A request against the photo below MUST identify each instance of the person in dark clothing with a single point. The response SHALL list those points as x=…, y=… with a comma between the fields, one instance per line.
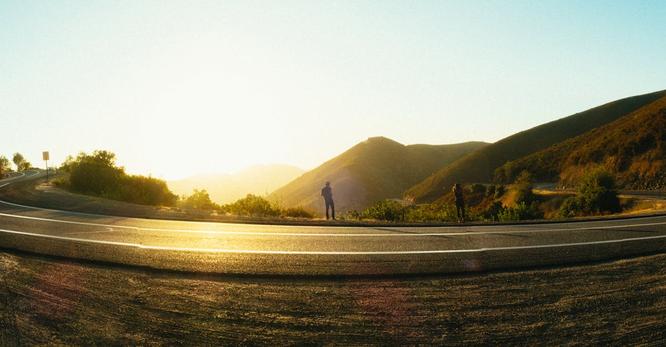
x=327, y=193
x=460, y=202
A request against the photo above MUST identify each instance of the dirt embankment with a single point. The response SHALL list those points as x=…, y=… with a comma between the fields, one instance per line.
x=48, y=301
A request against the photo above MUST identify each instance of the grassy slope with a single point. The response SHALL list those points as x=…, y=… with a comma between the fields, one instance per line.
x=373, y=170
x=632, y=147
x=480, y=165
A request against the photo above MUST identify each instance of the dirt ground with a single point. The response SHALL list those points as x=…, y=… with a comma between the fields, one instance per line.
x=53, y=301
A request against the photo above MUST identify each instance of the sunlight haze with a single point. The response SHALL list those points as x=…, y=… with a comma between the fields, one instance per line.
x=175, y=89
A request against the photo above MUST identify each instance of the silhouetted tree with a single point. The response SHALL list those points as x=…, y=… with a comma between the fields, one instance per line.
x=199, y=200
x=4, y=166
x=20, y=162
x=97, y=174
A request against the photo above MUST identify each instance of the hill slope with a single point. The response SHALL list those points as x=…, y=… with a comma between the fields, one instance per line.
x=376, y=169
x=480, y=165
x=632, y=147
x=226, y=188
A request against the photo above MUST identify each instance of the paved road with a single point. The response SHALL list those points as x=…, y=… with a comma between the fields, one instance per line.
x=300, y=250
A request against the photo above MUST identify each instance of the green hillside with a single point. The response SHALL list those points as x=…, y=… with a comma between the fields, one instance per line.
x=480, y=165
x=376, y=169
x=632, y=147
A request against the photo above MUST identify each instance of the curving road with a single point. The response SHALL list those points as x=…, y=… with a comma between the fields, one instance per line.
x=320, y=250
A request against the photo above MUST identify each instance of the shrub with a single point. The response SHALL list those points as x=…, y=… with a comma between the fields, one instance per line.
x=96, y=174
x=499, y=191
x=431, y=213
x=145, y=190
x=570, y=207
x=477, y=188
x=522, y=211
x=523, y=186
x=351, y=215
x=199, y=200
x=490, y=190
x=386, y=210
x=493, y=211
x=252, y=205
x=297, y=212
x=596, y=194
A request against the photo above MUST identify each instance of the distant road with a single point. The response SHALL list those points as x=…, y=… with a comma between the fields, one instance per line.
x=320, y=250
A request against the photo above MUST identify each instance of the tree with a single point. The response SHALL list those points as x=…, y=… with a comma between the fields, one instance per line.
x=4, y=166
x=387, y=210
x=199, y=200
x=96, y=174
x=20, y=162
x=524, y=186
x=596, y=194
x=252, y=205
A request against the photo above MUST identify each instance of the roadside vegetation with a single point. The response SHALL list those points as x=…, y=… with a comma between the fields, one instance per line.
x=249, y=206
x=97, y=174
x=19, y=162
x=631, y=148
x=596, y=195
x=5, y=168
x=638, y=139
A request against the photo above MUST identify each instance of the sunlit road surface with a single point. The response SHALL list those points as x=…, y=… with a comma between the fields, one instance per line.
x=321, y=250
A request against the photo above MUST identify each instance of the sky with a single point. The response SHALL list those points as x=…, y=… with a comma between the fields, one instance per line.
x=177, y=88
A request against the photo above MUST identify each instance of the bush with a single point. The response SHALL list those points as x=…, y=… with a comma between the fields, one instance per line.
x=96, y=174
x=596, y=194
x=297, y=212
x=490, y=190
x=145, y=190
x=493, y=211
x=499, y=191
x=386, y=210
x=199, y=200
x=523, y=187
x=252, y=205
x=477, y=188
x=570, y=207
x=431, y=213
x=522, y=211
x=351, y=215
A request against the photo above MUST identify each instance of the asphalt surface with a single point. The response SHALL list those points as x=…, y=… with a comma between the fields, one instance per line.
x=321, y=250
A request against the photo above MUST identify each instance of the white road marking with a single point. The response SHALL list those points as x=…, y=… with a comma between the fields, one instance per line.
x=397, y=232
x=244, y=251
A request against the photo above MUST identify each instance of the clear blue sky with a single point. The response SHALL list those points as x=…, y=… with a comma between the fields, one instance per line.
x=176, y=88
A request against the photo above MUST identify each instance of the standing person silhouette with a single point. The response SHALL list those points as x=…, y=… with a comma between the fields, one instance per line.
x=460, y=202
x=327, y=193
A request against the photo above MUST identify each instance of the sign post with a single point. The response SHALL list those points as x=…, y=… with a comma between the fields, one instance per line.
x=45, y=157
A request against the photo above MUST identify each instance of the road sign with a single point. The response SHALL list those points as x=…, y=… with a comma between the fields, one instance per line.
x=45, y=155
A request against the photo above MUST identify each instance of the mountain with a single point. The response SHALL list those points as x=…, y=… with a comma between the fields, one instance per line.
x=480, y=165
x=225, y=188
x=376, y=169
x=632, y=147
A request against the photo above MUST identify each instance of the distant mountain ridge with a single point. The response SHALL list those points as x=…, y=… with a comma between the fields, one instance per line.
x=375, y=169
x=480, y=165
x=225, y=188
x=633, y=148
